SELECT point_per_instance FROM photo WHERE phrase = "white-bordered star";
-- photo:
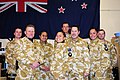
(74, 0)
(61, 9)
(84, 6)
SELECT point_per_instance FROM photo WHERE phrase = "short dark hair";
(76, 27)
(102, 30)
(17, 28)
(93, 28)
(64, 23)
(62, 32)
(42, 32)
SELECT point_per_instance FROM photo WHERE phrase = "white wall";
(110, 17)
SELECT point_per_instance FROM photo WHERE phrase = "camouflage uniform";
(102, 60)
(109, 51)
(26, 54)
(10, 58)
(65, 67)
(45, 49)
(68, 35)
(58, 62)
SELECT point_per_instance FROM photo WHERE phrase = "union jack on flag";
(21, 5)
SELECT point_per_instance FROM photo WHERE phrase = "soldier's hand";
(45, 68)
(32, 66)
(86, 74)
(35, 65)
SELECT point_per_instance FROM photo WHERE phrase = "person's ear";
(25, 32)
(39, 36)
(79, 32)
(14, 33)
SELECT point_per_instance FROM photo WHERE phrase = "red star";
(61, 9)
(84, 6)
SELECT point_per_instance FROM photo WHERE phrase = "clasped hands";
(37, 64)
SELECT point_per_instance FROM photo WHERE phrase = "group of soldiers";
(69, 58)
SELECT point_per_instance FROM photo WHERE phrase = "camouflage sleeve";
(9, 54)
(38, 57)
(108, 58)
(49, 53)
(104, 61)
(113, 56)
(21, 55)
(38, 52)
(86, 58)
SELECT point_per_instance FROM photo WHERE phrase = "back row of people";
(70, 58)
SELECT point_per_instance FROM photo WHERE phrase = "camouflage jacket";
(10, 47)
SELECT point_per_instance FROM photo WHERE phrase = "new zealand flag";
(48, 15)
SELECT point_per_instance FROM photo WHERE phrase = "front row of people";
(70, 58)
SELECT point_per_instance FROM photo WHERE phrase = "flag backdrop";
(48, 15)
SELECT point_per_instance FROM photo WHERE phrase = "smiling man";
(27, 56)
(10, 47)
(79, 60)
